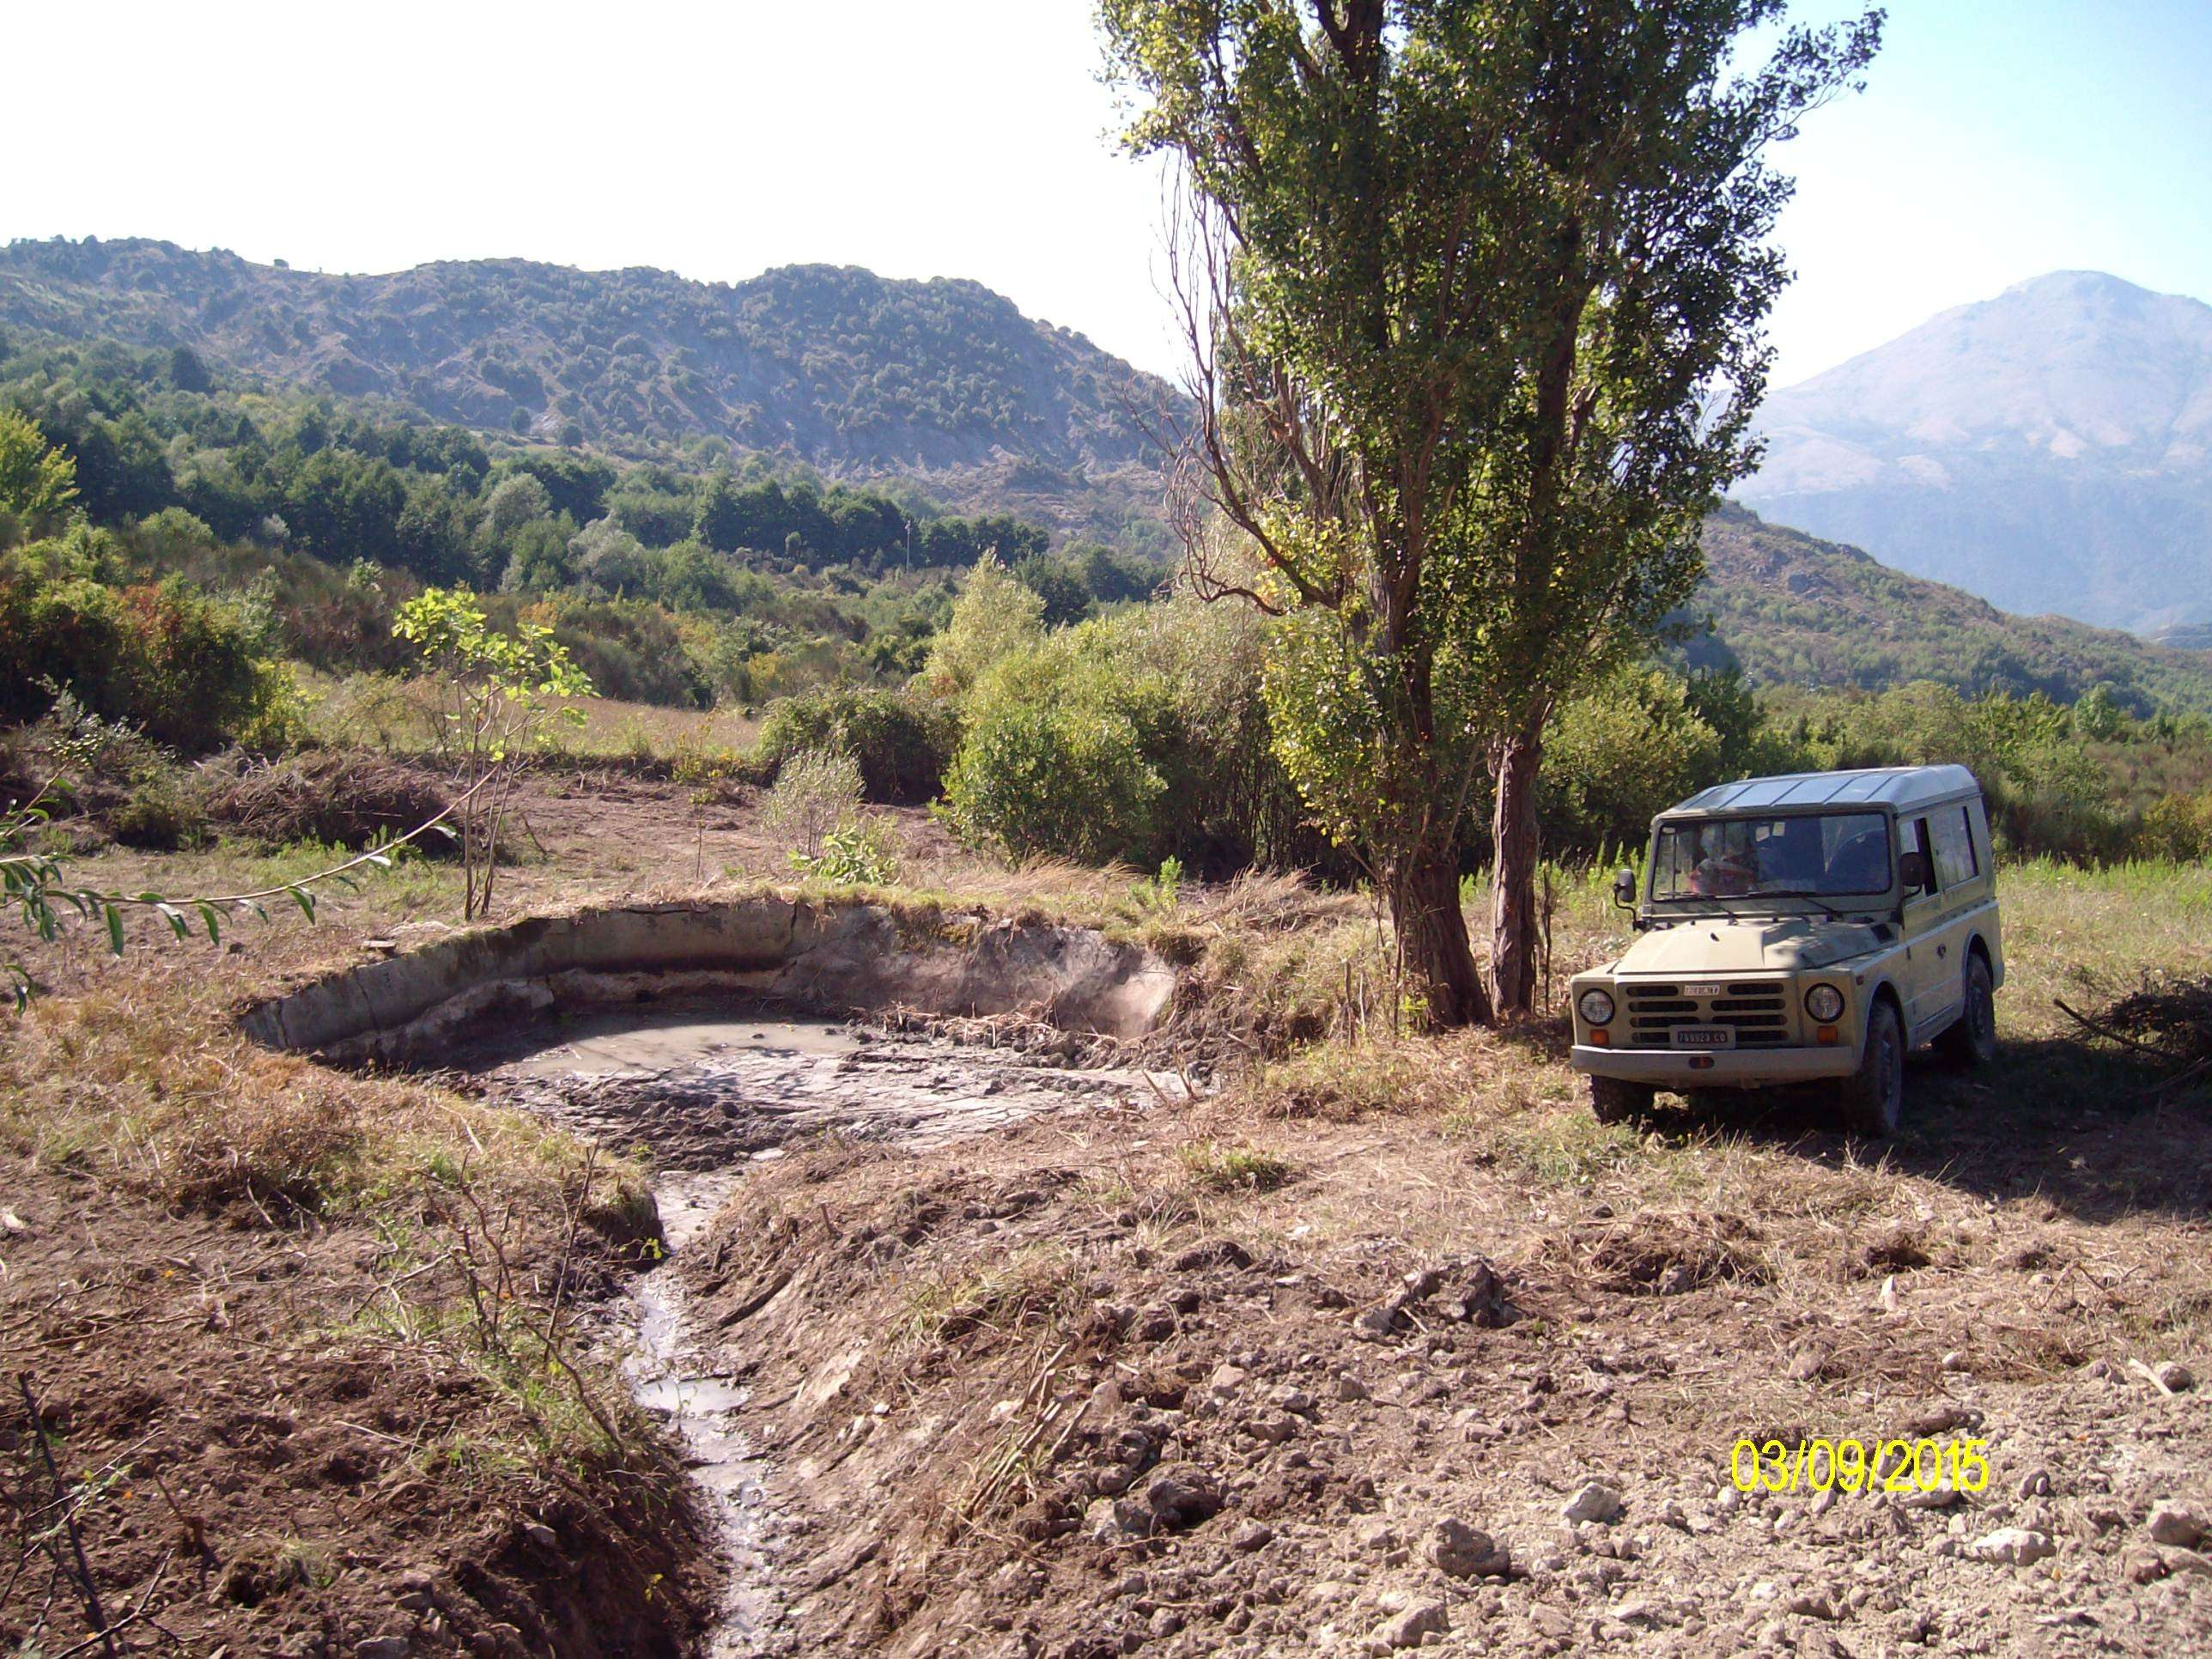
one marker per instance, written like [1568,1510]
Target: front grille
[1757,1011]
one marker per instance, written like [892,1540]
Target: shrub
[1058,778]
[159,815]
[899,746]
[817,791]
[859,852]
[179,665]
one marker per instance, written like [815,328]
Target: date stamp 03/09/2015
[1855,1467]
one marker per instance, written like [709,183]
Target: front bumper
[1721,1068]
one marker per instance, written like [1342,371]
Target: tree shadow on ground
[2089,1129]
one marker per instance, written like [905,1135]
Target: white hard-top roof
[1898,786]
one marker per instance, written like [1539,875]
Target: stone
[1810,1605]
[1111,1520]
[2012,1546]
[1182,1495]
[1672,1514]
[1596,1502]
[1253,1535]
[1954,1361]
[1408,1629]
[1941,1497]
[2174,1377]
[541,1534]
[2190,1561]
[382,1647]
[2036,1483]
[2176,1524]
[1349,1386]
[1463,1552]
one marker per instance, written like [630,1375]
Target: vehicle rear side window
[1955,846]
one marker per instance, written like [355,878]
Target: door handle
[1942,950]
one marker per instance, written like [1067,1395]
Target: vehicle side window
[1955,861]
[1911,836]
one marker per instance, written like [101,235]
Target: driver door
[1927,977]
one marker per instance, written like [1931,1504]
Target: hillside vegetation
[1790,609]
[832,366]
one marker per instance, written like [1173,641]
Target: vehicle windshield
[1804,856]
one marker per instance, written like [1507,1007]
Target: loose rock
[1596,1502]
[2177,1525]
[1463,1552]
[1408,1629]
[2013,1546]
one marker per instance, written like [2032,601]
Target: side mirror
[1624,889]
[1913,870]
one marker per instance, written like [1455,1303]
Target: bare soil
[1091,1377]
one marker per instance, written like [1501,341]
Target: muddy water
[709,1095]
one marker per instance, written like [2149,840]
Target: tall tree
[1474,290]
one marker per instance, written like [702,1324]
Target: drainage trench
[712,1096]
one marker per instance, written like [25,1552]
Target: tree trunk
[1513,943]
[1432,943]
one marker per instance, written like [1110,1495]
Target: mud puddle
[706,1095]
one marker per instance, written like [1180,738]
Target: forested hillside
[1788,609]
[829,365]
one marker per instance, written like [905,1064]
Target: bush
[181,666]
[817,791]
[160,815]
[859,852]
[900,747]
[1056,778]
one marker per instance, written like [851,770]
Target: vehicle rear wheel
[1973,1038]
[1613,1100]
[1873,1097]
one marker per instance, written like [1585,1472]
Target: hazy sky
[1998,139]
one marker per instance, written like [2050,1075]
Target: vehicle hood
[1717,945]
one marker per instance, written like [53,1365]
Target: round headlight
[1596,1006]
[1823,1002]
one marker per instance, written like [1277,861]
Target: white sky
[1999,139]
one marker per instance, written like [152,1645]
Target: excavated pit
[715,1036]
[415,1008]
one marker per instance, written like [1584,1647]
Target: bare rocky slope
[2050,450]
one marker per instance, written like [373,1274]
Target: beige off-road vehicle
[1796,929]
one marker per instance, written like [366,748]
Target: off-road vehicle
[1796,929]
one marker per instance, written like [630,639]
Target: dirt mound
[342,797]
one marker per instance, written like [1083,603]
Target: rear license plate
[1704,1036]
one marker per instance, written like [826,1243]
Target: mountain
[2050,450]
[833,366]
[1791,609]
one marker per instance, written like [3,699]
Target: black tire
[1971,1039]
[1614,1100]
[1873,1097]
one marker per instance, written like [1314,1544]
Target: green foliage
[858,853]
[1072,781]
[38,482]
[900,745]
[1620,755]
[994,617]
[161,656]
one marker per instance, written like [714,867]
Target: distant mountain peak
[2049,448]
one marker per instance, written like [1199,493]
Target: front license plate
[1704,1036]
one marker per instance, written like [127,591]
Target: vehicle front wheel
[1614,1100]
[1972,1039]
[1873,1097]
